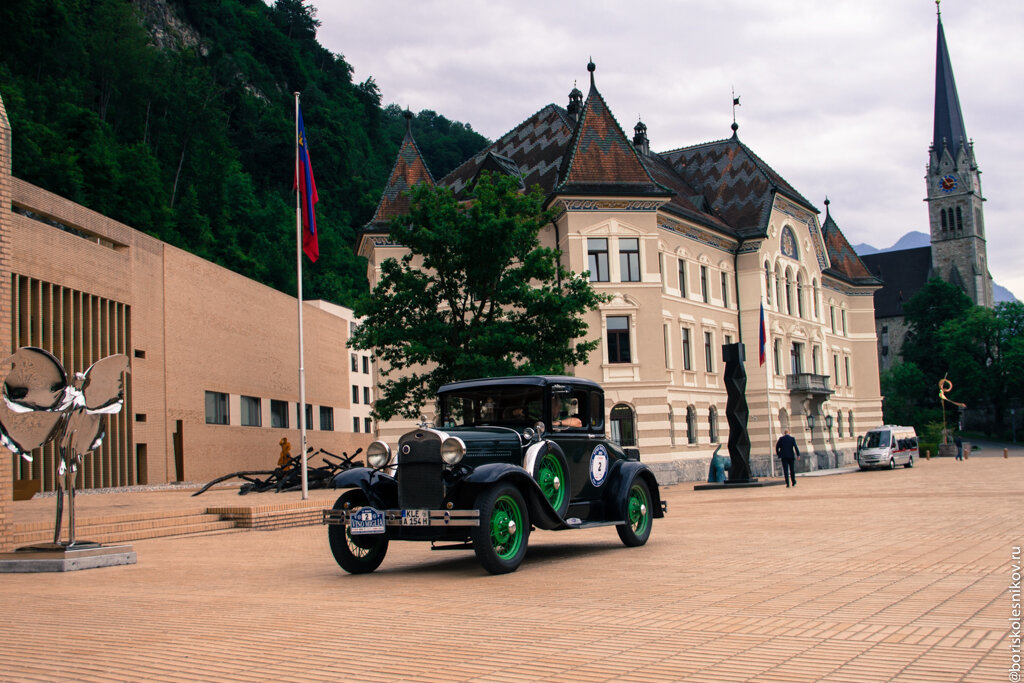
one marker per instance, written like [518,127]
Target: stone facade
[6,488]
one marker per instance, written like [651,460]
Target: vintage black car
[504,456]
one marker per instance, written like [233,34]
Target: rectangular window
[366,395]
[849,378]
[835,368]
[687,362]
[355,363]
[278,414]
[728,339]
[682,278]
[216,408]
[355,394]
[597,259]
[355,424]
[777,356]
[366,365]
[309,415]
[251,409]
[845,329]
[832,317]
[709,353]
[326,419]
[704,284]
[725,290]
[797,358]
[816,360]
[665,339]
[618,339]
[629,259]
[366,425]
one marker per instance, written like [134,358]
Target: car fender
[381,489]
[542,515]
[622,478]
[539,450]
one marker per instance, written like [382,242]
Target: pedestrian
[788,453]
[959,447]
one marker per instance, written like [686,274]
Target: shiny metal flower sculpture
[40,404]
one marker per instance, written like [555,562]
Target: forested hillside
[177,118]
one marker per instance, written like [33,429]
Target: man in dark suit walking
[788,453]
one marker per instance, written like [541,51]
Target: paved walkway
[868,576]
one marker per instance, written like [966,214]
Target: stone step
[105,530]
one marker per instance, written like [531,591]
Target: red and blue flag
[307,196]
[763,338]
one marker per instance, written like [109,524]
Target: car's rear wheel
[910,462]
[552,475]
[637,527]
[355,554]
[500,540]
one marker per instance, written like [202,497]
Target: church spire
[949,130]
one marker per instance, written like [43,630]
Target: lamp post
[810,422]
[828,424]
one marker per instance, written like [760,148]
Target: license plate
[366,520]
[415,517]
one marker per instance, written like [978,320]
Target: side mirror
[860,442]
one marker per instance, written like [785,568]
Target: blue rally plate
[366,520]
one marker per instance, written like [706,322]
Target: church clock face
[948,183]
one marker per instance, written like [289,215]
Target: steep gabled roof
[902,273]
[845,264]
[738,183]
[600,159]
[535,146]
[409,170]
[686,202]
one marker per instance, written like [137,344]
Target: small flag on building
[763,338]
[307,196]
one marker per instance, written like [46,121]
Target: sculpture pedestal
[748,484]
[53,557]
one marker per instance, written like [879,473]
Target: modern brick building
[689,244]
[214,356]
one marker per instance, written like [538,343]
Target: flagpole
[298,266]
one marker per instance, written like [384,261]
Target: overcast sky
[836,95]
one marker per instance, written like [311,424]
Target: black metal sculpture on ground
[288,477]
[736,413]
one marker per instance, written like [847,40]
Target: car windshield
[508,406]
[876,439]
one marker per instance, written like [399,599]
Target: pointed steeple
[409,170]
[949,130]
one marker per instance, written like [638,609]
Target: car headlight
[378,455]
[453,450]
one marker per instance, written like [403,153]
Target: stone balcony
[807,383]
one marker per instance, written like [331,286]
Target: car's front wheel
[637,527]
[552,475]
[500,540]
[355,554]
[892,463]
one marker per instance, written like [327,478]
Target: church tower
[954,198]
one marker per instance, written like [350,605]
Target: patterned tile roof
[686,202]
[738,183]
[536,146]
[409,170]
[600,159]
[844,261]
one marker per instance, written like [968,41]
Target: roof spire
[949,127]
[735,103]
[591,67]
[827,202]
[575,102]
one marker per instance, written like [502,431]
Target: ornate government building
[690,244]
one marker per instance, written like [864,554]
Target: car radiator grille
[420,471]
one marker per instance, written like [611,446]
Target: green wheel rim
[506,528]
[551,479]
[638,510]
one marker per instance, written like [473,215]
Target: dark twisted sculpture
[736,413]
[40,405]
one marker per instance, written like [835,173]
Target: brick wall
[6,484]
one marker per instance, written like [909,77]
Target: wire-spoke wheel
[500,540]
[355,554]
[637,527]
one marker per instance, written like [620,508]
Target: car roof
[522,380]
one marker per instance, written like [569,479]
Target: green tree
[935,304]
[475,296]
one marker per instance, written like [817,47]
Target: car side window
[596,410]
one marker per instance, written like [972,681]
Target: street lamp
[810,421]
[828,423]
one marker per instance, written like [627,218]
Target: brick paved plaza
[864,576]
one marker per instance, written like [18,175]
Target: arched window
[789,291]
[713,424]
[800,294]
[778,286]
[839,424]
[783,420]
[623,425]
[852,433]
[768,282]
[814,295]
[942,219]
[959,220]
[691,424]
